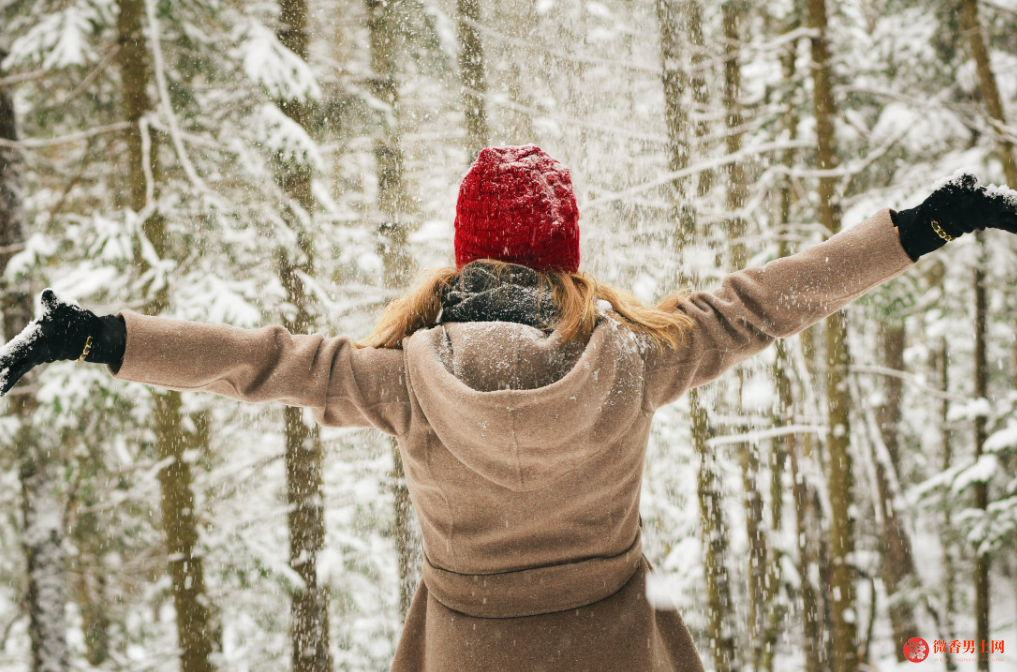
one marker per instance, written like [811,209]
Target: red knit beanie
[516,204]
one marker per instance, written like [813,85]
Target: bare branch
[39,143]
[89,78]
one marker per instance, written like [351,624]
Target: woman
[522,403]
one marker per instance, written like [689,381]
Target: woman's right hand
[62,333]
[960,205]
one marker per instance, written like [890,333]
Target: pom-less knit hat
[516,204]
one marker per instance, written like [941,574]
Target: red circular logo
[916,649]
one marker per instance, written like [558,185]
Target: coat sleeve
[345,386]
[756,306]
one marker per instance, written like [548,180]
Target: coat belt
[532,591]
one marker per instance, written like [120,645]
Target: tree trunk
[472,74]
[988,88]
[194,635]
[42,500]
[91,540]
[737,190]
[135,76]
[949,572]
[43,537]
[179,521]
[757,547]
[781,446]
[309,625]
[810,341]
[700,91]
[520,20]
[713,527]
[898,566]
[981,489]
[737,194]
[1005,150]
[676,117]
[841,530]
[95,622]
[398,264]
[714,532]
[407,551]
[809,557]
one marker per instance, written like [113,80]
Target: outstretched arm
[756,306]
[342,384]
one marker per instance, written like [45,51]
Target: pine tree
[898,567]
[941,369]
[472,72]
[393,232]
[732,20]
[783,445]
[1005,151]
[309,623]
[179,519]
[713,527]
[981,488]
[989,88]
[38,463]
[841,477]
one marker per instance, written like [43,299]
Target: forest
[296,162]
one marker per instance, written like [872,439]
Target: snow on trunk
[46,562]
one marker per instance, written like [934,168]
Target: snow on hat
[516,204]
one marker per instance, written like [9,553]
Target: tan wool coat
[524,456]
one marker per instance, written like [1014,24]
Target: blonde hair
[575,297]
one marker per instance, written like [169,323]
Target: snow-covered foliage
[284,75]
[59,40]
[582,80]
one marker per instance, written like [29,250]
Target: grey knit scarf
[482,294]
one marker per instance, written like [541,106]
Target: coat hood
[517,405]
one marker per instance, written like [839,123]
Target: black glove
[62,333]
[960,206]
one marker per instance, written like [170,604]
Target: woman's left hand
[65,331]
